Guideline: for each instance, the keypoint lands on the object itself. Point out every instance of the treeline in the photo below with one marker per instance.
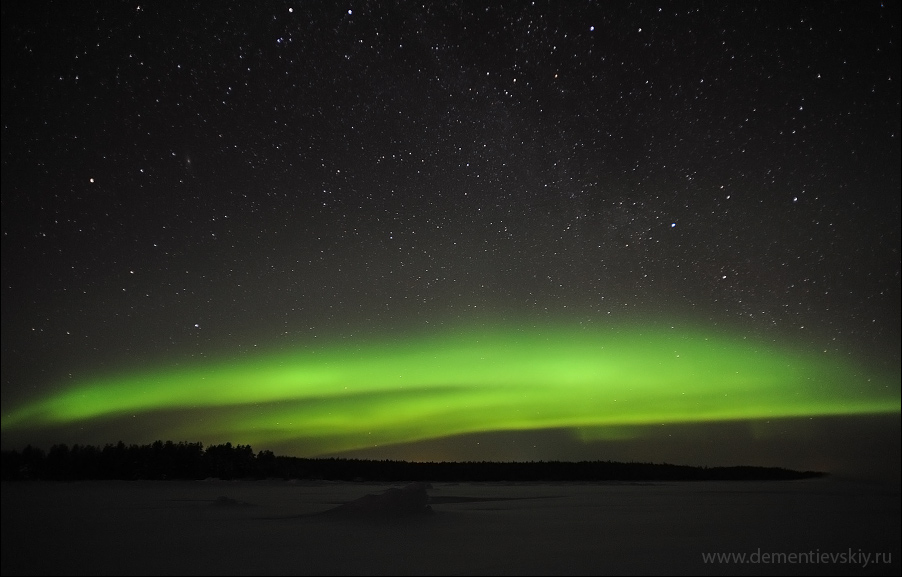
(168, 460)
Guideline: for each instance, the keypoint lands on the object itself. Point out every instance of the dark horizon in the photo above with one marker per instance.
(840, 446)
(186, 460)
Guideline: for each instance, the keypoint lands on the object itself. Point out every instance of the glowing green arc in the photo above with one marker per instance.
(347, 397)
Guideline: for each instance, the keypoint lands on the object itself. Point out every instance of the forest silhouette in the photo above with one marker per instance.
(185, 460)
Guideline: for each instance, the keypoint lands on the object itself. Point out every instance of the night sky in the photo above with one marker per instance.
(238, 222)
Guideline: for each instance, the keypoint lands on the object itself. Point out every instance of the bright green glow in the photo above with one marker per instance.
(354, 396)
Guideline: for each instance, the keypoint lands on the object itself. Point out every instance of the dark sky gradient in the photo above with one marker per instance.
(207, 180)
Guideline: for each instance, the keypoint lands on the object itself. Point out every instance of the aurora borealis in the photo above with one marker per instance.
(353, 397)
(451, 230)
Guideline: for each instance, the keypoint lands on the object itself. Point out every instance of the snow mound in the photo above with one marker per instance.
(410, 500)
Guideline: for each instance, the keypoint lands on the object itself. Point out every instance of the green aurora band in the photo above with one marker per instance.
(346, 397)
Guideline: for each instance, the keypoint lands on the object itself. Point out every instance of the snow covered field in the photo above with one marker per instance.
(274, 527)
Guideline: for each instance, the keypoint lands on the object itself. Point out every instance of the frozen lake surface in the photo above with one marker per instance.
(274, 528)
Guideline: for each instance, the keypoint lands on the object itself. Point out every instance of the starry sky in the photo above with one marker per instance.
(214, 192)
